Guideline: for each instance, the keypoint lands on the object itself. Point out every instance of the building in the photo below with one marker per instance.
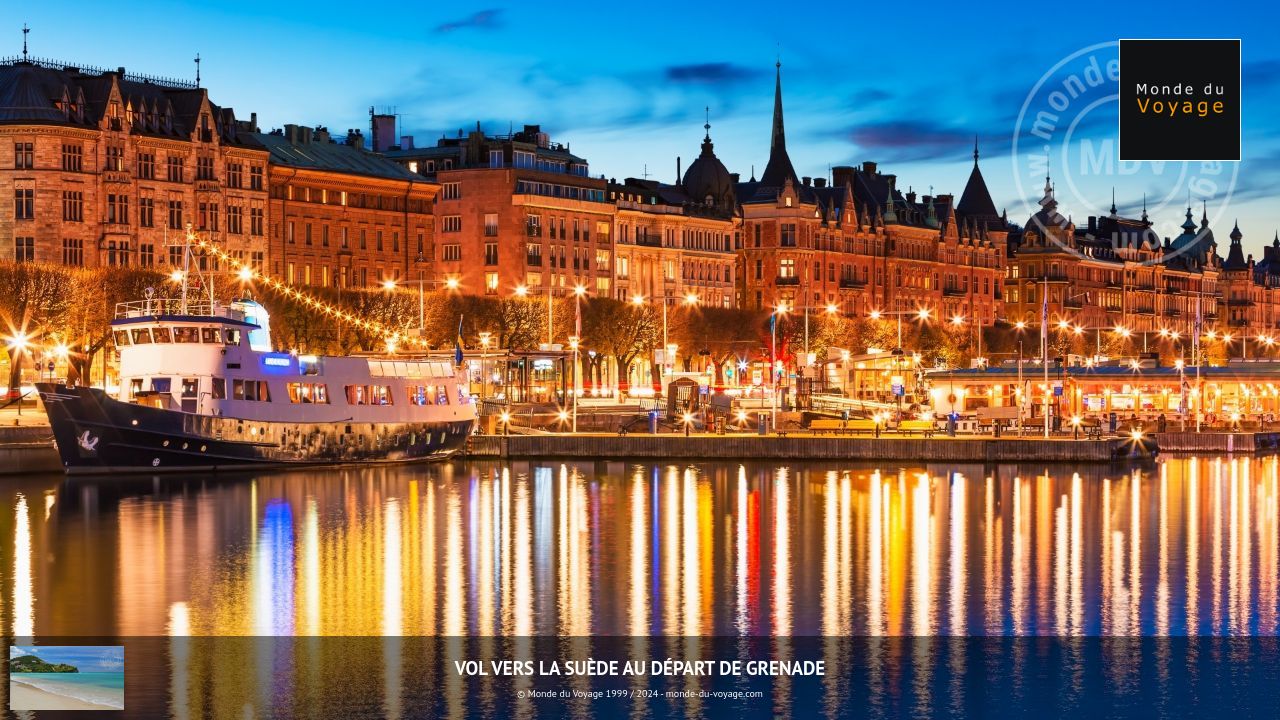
(859, 244)
(516, 213)
(109, 167)
(679, 243)
(343, 216)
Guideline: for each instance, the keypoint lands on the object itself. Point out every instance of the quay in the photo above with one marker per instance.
(797, 446)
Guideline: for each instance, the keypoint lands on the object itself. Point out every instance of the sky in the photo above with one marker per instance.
(628, 86)
(87, 658)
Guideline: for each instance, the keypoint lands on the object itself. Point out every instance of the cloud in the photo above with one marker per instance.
(1261, 73)
(869, 96)
(490, 19)
(15, 651)
(710, 73)
(906, 140)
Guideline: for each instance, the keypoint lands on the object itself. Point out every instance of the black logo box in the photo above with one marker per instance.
(1185, 68)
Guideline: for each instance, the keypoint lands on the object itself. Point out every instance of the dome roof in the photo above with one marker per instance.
(708, 177)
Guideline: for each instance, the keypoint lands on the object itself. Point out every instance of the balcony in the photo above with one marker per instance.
(1144, 311)
(788, 280)
(953, 292)
(116, 176)
(1172, 312)
(1239, 302)
(208, 186)
(851, 283)
(534, 261)
(533, 230)
(649, 241)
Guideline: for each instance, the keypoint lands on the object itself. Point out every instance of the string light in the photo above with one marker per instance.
(392, 336)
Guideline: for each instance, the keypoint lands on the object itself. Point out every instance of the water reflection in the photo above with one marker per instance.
(1187, 546)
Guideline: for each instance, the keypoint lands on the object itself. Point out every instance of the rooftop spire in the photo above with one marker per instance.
(197, 69)
(25, 31)
(976, 200)
(1048, 202)
(975, 151)
(779, 167)
(707, 125)
(1144, 207)
(1113, 201)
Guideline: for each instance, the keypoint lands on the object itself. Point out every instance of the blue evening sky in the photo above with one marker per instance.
(87, 658)
(625, 84)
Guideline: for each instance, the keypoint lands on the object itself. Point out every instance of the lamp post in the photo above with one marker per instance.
(578, 292)
(773, 360)
(921, 314)
(485, 337)
(573, 343)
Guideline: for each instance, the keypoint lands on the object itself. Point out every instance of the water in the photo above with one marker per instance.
(820, 561)
(99, 688)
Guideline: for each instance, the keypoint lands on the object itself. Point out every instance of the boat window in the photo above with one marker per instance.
(308, 365)
(442, 395)
(186, 334)
(141, 336)
(135, 387)
(190, 387)
(210, 335)
(122, 338)
(418, 394)
(368, 395)
(231, 336)
(161, 384)
(219, 389)
(308, 393)
(463, 398)
(253, 390)
(162, 334)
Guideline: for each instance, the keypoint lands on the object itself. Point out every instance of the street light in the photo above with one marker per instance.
(485, 337)
(573, 343)
(389, 284)
(773, 360)
(245, 274)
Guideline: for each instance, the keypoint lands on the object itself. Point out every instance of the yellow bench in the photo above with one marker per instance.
(925, 427)
(820, 426)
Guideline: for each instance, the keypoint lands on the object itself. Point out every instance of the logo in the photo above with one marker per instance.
(1067, 164)
(87, 442)
(1180, 100)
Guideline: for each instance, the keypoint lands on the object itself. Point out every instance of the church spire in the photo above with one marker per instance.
(779, 168)
(1113, 201)
(975, 201)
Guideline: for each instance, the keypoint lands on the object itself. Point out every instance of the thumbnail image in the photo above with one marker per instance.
(72, 677)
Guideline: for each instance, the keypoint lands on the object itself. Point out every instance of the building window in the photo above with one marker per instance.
(491, 283)
(452, 191)
(452, 224)
(146, 255)
(72, 206)
(759, 269)
(234, 171)
(146, 166)
(256, 221)
(452, 253)
(377, 234)
(787, 268)
(289, 228)
(255, 177)
(788, 234)
(24, 155)
(175, 255)
(534, 254)
(118, 254)
(324, 236)
(306, 233)
(204, 167)
(115, 158)
(24, 249)
(234, 220)
(491, 225)
(491, 253)
(72, 157)
(118, 209)
(495, 158)
(344, 237)
(624, 268)
(602, 260)
(72, 251)
(24, 204)
(175, 214)
(173, 168)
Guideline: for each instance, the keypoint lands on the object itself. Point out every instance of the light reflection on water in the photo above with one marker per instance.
(1187, 546)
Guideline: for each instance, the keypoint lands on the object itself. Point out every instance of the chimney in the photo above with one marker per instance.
(819, 182)
(841, 175)
(384, 131)
(806, 180)
(291, 133)
(120, 71)
(911, 196)
(1093, 225)
(355, 138)
(321, 134)
(253, 121)
(406, 142)
(868, 167)
(678, 175)
(735, 177)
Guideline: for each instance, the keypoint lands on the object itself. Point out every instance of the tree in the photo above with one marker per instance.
(34, 299)
(95, 294)
(623, 331)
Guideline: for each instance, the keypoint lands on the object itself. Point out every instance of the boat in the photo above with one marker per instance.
(202, 389)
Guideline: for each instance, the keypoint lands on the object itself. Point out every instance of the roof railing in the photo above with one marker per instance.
(53, 64)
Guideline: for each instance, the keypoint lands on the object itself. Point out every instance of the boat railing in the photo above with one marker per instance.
(174, 306)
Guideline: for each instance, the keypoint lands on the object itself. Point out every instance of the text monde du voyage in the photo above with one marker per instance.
(667, 667)
(1180, 99)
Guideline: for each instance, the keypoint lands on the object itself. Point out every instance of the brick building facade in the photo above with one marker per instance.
(108, 168)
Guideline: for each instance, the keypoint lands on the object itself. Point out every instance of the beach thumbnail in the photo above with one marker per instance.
(66, 677)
